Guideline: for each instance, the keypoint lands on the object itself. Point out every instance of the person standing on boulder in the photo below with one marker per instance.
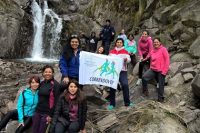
(119, 51)
(69, 61)
(107, 35)
(159, 67)
(144, 48)
(26, 105)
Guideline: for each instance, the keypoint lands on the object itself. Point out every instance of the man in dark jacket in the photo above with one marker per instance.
(107, 35)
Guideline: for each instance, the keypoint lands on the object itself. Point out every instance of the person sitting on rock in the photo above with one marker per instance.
(48, 94)
(159, 67)
(71, 110)
(130, 46)
(26, 105)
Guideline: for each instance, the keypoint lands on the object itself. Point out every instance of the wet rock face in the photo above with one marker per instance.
(11, 19)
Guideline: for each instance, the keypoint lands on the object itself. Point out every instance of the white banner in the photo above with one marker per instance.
(99, 69)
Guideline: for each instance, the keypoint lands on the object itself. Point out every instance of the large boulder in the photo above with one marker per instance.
(176, 67)
(194, 48)
(181, 57)
(191, 18)
(196, 86)
(176, 80)
(10, 18)
(191, 117)
(94, 94)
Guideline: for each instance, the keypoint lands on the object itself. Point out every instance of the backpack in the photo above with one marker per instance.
(23, 104)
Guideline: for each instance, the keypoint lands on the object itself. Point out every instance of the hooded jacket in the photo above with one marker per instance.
(144, 47)
(130, 46)
(122, 53)
(160, 60)
(26, 106)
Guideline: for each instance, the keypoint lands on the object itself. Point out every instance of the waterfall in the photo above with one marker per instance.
(38, 24)
(41, 27)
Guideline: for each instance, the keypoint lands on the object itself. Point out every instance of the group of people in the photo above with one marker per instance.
(60, 107)
(49, 106)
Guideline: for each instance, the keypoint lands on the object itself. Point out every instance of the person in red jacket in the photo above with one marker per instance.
(159, 67)
(144, 49)
(123, 77)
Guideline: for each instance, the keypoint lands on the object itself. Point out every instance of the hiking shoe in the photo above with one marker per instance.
(110, 107)
(131, 104)
(161, 100)
(146, 93)
(138, 81)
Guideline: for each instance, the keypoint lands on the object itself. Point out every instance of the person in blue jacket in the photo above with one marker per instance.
(26, 105)
(69, 61)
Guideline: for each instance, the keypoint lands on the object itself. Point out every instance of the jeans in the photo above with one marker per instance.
(142, 65)
(123, 79)
(73, 127)
(106, 45)
(150, 74)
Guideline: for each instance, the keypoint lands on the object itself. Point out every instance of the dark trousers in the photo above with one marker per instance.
(93, 47)
(39, 123)
(142, 65)
(133, 60)
(13, 115)
(73, 127)
(150, 74)
(123, 79)
(106, 45)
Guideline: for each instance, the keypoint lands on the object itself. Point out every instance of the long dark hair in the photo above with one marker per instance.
(79, 94)
(68, 50)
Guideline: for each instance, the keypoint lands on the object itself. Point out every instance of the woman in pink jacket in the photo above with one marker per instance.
(144, 48)
(159, 67)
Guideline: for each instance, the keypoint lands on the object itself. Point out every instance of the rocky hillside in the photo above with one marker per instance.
(176, 21)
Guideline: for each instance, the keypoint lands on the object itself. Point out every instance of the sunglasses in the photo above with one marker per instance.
(74, 35)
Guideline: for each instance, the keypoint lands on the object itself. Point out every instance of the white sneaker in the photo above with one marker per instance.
(138, 81)
(157, 85)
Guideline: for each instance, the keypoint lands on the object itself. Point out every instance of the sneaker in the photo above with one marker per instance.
(138, 81)
(110, 107)
(131, 104)
(157, 85)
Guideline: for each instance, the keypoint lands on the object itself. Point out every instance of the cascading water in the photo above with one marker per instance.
(54, 27)
(38, 30)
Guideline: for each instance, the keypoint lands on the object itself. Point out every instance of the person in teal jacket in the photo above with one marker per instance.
(131, 47)
(26, 105)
